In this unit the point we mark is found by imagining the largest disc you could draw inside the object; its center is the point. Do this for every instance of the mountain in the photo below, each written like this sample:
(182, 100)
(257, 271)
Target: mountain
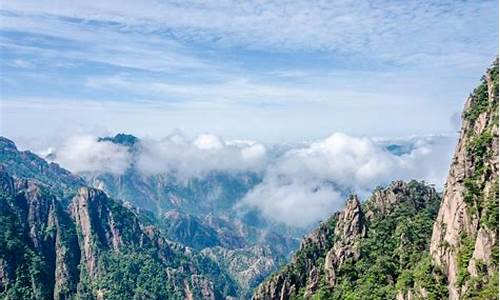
(465, 236)
(197, 215)
(346, 256)
(94, 248)
(202, 212)
(67, 236)
(25, 164)
(406, 242)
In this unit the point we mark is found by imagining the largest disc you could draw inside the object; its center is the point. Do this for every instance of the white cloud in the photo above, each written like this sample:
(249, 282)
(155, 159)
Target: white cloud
(294, 202)
(206, 153)
(307, 184)
(208, 142)
(173, 155)
(83, 153)
(387, 29)
(300, 186)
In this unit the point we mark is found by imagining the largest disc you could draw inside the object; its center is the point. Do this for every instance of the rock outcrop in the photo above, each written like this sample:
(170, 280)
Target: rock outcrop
(350, 228)
(35, 245)
(339, 258)
(465, 236)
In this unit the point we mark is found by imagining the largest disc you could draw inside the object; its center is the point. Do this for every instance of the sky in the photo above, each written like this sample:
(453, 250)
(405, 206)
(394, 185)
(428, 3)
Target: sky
(272, 71)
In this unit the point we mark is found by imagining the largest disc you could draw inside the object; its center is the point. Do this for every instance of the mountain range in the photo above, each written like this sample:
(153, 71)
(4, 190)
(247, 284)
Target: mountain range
(101, 235)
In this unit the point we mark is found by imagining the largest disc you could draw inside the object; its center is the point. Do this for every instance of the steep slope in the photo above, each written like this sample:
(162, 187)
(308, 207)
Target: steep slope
(25, 164)
(39, 250)
(465, 236)
(98, 249)
(364, 251)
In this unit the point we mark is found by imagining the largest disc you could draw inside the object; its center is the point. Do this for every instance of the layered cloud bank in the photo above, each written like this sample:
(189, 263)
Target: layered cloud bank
(83, 153)
(300, 184)
(173, 155)
(305, 185)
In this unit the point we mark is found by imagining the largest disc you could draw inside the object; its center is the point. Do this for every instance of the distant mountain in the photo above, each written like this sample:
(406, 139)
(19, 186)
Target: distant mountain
(199, 214)
(122, 139)
(405, 242)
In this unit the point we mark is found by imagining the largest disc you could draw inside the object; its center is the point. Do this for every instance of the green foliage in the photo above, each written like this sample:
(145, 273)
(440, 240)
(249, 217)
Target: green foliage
(474, 184)
(489, 217)
(393, 254)
(132, 275)
(29, 280)
(480, 144)
(494, 77)
(464, 255)
(483, 286)
(429, 277)
(489, 291)
(479, 102)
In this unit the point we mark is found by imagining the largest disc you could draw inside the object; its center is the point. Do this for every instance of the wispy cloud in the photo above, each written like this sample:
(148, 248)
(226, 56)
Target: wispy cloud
(382, 28)
(272, 70)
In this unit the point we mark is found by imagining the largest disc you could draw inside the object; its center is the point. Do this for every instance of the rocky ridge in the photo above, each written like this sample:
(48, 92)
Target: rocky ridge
(343, 250)
(95, 249)
(465, 236)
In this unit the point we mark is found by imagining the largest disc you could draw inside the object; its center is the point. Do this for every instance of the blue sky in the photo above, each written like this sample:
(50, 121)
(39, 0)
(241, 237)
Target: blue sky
(273, 71)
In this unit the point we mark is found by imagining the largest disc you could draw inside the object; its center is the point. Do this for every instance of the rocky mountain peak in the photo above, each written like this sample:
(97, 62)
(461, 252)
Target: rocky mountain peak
(350, 222)
(122, 139)
(349, 229)
(7, 145)
(325, 262)
(385, 200)
(465, 235)
(27, 165)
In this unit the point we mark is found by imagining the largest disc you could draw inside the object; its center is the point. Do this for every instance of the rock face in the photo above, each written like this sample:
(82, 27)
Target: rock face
(349, 254)
(95, 249)
(465, 236)
(36, 250)
(350, 228)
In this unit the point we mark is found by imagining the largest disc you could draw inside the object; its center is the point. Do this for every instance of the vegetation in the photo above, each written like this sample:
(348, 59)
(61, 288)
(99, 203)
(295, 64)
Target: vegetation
(481, 193)
(142, 268)
(399, 262)
(393, 255)
(464, 255)
(479, 100)
(29, 268)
